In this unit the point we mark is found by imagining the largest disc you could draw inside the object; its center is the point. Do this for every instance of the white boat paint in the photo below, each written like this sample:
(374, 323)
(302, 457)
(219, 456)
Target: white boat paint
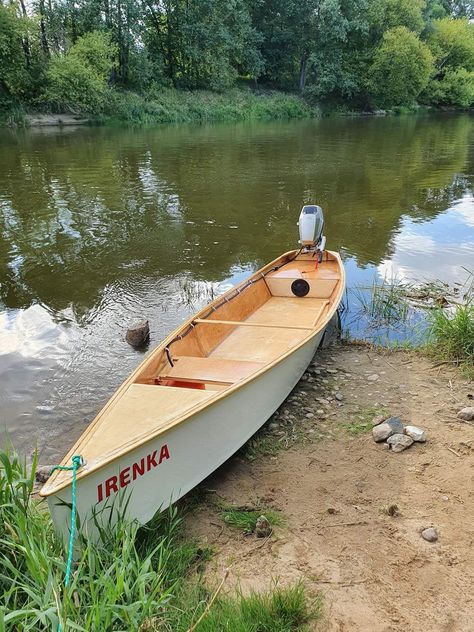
(196, 447)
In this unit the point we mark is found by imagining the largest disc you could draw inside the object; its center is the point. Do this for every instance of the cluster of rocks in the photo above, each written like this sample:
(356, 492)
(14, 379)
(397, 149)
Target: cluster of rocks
(397, 436)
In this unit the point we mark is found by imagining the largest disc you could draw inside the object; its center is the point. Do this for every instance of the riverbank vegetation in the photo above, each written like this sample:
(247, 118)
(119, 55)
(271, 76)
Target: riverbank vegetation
(439, 318)
(150, 61)
(134, 579)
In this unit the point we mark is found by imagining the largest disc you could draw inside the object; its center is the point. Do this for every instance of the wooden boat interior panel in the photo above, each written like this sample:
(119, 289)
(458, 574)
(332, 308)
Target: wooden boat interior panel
(141, 409)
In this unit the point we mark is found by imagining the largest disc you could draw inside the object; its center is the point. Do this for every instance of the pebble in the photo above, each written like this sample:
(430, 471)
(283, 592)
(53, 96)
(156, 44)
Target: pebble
(339, 397)
(331, 371)
(274, 426)
(373, 378)
(417, 434)
(399, 442)
(430, 534)
(381, 432)
(467, 414)
(262, 527)
(396, 424)
(42, 473)
(320, 411)
(378, 420)
(309, 415)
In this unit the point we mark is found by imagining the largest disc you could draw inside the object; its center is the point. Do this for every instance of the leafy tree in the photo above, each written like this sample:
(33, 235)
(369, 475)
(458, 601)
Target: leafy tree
(388, 14)
(401, 68)
(14, 57)
(78, 80)
(452, 43)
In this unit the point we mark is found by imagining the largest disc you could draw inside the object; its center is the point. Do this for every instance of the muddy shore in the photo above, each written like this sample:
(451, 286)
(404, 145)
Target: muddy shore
(315, 463)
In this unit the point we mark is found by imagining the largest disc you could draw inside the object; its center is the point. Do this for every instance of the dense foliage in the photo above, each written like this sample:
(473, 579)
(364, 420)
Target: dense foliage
(77, 56)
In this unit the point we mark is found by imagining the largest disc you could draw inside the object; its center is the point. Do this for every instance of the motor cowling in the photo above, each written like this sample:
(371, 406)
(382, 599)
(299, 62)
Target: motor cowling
(311, 225)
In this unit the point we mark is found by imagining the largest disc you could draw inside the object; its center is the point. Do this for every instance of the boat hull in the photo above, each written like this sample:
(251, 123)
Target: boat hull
(157, 473)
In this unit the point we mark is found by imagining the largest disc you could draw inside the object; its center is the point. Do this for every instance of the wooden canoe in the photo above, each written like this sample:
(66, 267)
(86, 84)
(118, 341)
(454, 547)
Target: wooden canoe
(201, 394)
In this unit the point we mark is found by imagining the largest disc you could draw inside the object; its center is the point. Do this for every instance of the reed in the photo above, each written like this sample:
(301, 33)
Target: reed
(451, 335)
(132, 579)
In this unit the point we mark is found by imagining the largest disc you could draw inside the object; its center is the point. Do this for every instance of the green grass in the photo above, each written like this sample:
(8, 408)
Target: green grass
(451, 335)
(279, 610)
(262, 444)
(132, 579)
(168, 105)
(246, 519)
(363, 422)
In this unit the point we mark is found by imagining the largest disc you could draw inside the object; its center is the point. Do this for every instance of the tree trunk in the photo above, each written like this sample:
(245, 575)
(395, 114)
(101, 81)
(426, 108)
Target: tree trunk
(25, 41)
(303, 66)
(44, 40)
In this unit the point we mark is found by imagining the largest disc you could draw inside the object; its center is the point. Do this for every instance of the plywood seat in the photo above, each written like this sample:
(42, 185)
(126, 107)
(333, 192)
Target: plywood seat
(209, 370)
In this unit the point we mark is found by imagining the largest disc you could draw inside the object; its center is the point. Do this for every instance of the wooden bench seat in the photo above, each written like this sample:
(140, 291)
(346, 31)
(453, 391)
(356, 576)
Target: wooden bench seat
(209, 370)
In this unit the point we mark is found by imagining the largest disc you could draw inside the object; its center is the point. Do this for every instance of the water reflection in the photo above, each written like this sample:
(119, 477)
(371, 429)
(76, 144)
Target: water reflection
(100, 225)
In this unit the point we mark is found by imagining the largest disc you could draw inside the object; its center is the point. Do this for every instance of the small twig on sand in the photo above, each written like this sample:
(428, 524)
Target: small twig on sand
(435, 366)
(453, 451)
(209, 605)
(343, 524)
(259, 546)
(344, 584)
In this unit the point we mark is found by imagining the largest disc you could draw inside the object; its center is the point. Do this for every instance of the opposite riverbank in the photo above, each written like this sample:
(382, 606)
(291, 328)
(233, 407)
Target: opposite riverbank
(174, 106)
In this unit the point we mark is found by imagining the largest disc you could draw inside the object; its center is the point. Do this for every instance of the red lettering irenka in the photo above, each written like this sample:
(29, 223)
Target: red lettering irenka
(131, 473)
(150, 460)
(164, 454)
(111, 486)
(125, 477)
(138, 469)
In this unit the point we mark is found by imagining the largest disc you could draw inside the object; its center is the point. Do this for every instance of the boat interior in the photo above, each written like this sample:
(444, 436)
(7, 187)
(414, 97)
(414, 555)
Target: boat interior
(240, 333)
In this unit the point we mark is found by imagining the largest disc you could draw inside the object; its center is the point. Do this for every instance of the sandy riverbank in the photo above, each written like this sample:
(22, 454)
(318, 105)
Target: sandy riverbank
(333, 485)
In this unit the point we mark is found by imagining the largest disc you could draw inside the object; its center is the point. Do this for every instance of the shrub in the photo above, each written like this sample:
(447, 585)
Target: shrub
(456, 88)
(77, 81)
(401, 68)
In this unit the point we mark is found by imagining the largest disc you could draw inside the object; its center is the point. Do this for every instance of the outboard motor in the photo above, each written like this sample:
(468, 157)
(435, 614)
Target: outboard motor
(311, 225)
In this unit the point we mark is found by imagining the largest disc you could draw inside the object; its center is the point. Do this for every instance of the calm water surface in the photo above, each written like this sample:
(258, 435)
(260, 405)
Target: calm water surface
(99, 226)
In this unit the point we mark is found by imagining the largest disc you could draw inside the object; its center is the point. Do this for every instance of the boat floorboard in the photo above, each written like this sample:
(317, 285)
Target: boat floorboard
(265, 345)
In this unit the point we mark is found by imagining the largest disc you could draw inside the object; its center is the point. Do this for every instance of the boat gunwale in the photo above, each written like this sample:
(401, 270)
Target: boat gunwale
(50, 489)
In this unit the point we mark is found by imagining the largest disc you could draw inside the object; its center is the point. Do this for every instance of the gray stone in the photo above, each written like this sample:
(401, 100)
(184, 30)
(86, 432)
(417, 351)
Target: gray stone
(373, 378)
(399, 442)
(430, 534)
(467, 414)
(331, 371)
(417, 434)
(339, 397)
(42, 473)
(138, 334)
(381, 432)
(378, 420)
(395, 424)
(263, 528)
(309, 415)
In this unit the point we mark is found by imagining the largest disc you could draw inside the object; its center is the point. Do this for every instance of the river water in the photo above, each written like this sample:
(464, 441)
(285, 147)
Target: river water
(99, 226)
